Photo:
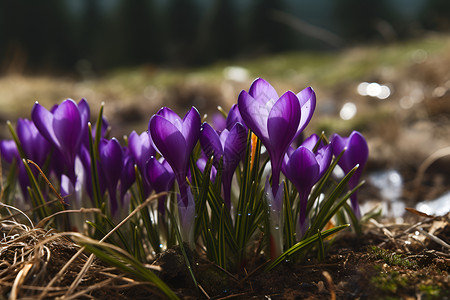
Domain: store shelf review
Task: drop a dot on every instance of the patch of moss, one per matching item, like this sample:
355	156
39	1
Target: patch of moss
392	258
433	291
389	281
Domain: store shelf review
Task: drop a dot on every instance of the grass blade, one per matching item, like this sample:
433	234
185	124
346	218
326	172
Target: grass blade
122	260
302	245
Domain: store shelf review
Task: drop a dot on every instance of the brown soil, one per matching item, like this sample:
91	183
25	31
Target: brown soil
387	262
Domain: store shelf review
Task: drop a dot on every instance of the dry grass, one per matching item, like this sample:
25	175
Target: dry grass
41	264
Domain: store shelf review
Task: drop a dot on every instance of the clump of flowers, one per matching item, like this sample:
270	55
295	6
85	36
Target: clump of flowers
250	182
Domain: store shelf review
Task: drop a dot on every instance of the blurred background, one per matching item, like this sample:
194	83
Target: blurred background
380	67
72	35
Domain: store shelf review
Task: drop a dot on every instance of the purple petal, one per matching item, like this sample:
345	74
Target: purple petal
338	144
128	175
111	158
358	148
67	127
261	89
288	154
235	144
85	111
311	141
35	146
43	119
191	128
141	148
303	170
357	154
210	142
158	176
26	136
171	116
255	113
9	150
323	157
219	122
234	117
282	124
170	143
307	99
85	159
66	188
234	147
201	164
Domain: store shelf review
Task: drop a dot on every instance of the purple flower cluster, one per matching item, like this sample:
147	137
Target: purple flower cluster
162	154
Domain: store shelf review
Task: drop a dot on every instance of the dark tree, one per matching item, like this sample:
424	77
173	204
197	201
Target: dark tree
139	31
218	33
182	21
37	29
265	34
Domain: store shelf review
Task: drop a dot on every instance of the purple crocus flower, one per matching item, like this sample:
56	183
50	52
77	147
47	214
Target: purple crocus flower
111	162
161	178
34	146
228	145
356	153
141	148
275	120
304	168
175	139
63	127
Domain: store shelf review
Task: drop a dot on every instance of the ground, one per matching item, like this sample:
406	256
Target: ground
387	262
396	258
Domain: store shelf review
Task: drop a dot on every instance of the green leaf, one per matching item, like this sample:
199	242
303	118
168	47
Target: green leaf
318	189
93	148
122	260
16	140
152	229
200	203
289	220
321	248
327	210
355	222
302	245
43	210
221	240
